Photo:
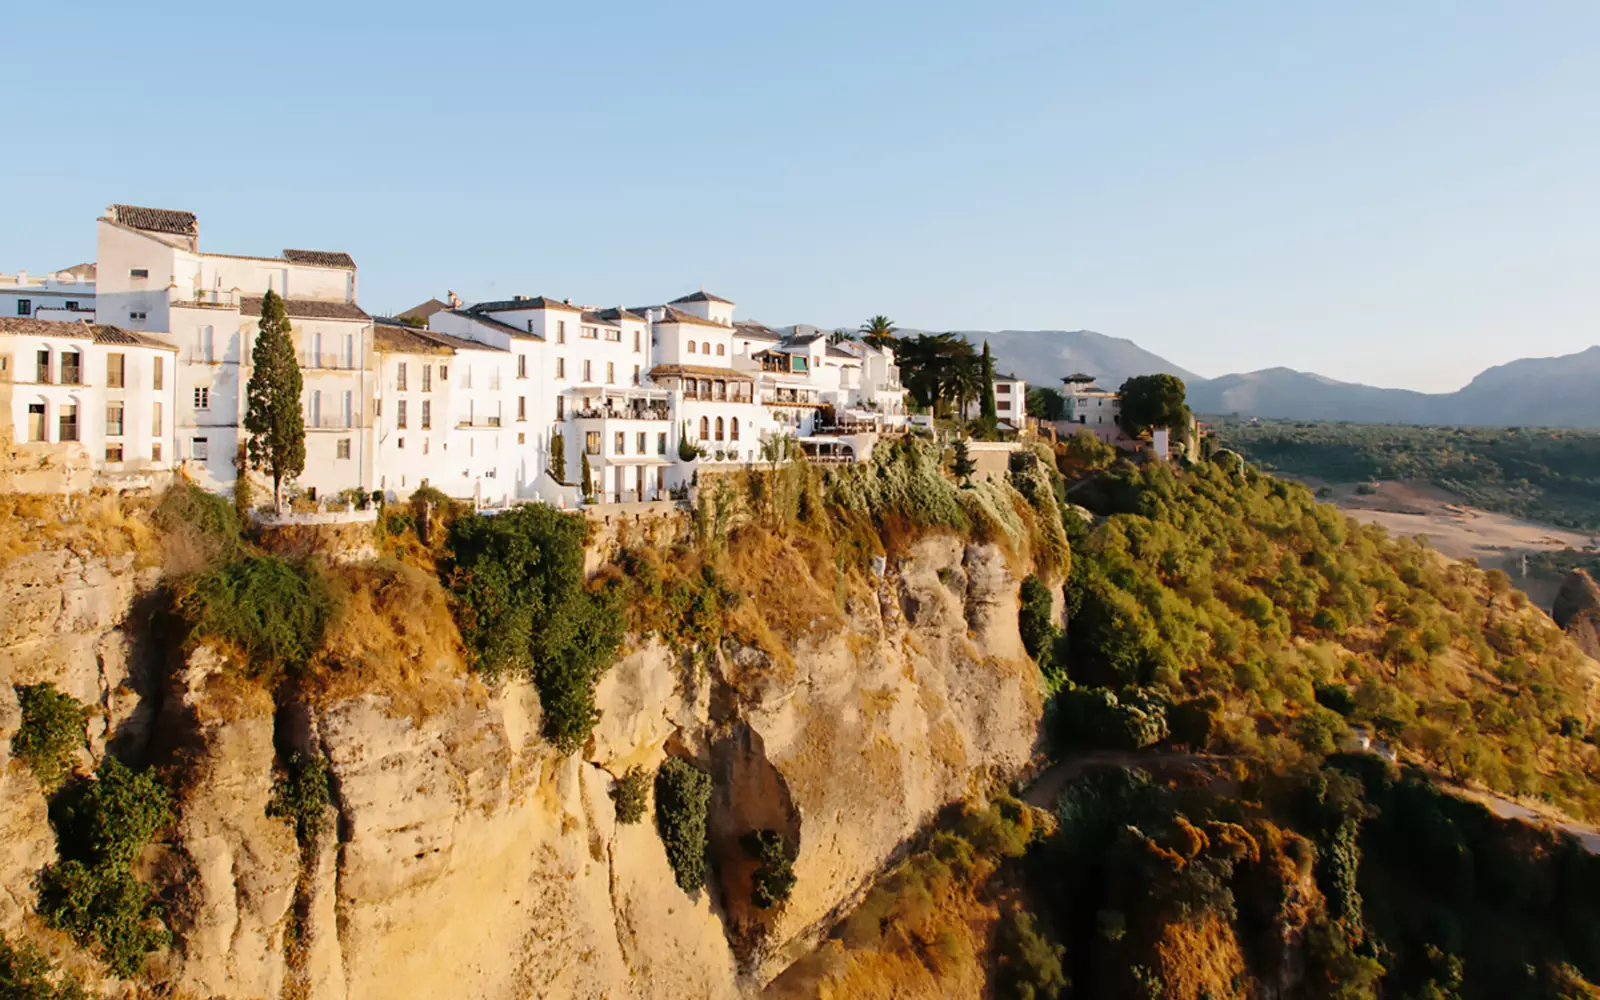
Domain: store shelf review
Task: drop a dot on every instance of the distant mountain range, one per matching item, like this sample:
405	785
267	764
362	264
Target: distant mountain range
1531	392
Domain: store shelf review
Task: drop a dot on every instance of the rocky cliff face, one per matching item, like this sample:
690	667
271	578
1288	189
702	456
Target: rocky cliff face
1577	611
468	859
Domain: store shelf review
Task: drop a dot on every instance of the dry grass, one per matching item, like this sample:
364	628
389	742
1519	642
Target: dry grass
392	635
101	524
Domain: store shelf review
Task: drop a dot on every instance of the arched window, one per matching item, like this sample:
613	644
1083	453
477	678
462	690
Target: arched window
733	429
705	347
719	428
721	350
705	428
691	347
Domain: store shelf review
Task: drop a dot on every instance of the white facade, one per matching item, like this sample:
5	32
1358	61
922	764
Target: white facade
108	390
61	295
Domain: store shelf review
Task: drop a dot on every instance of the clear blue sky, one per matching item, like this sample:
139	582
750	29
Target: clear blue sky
1395	193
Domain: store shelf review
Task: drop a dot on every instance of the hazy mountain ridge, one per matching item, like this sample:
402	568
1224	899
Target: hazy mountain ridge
1547	392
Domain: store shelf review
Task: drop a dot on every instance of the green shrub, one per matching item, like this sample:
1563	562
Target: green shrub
1028	963
273	611
1100	718
522	607
631	794
25	974
773	880
185	507
302	795
1195	721
102	825
1036	623
683	794
51	730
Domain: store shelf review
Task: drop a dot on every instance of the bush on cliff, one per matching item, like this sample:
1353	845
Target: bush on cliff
271	610
25	974
631	794
683	794
301	795
523	608
102	826
1036	623
51	731
773	879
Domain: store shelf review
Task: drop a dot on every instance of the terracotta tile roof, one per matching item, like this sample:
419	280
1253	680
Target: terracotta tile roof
319	258
395	338
425	309
531	302
702	296
698	370
156	220
100	333
597	319
756	331
617	314
494	324
834	352
675	315
79	271
250	305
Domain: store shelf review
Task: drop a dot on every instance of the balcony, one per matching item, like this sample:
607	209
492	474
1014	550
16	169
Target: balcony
478	422
791	397
729	395
332	422
328	362
628	410
203	299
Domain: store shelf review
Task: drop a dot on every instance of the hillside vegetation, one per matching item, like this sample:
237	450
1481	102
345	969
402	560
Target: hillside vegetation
1544	474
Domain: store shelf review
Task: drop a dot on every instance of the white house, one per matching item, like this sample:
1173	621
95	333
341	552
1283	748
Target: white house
1087	407
107	390
59	295
152	275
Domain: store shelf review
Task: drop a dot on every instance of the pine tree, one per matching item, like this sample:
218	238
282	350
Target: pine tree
987	409
964	466
274	419
558	457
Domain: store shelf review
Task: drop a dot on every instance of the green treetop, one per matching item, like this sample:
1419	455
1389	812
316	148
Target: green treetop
1151	401
274	419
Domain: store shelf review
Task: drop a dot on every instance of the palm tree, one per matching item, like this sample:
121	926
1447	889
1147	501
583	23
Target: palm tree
840	336
963	379
878	331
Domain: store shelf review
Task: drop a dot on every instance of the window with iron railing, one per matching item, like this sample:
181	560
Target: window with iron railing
113	420
71	368
68	423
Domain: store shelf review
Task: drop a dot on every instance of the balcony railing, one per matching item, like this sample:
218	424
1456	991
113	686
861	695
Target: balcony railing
202	297
713	396
790	397
333	422
479	422
338	362
635	411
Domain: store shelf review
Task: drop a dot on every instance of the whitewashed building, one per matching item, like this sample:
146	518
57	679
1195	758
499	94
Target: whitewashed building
60	295
152	276
108	390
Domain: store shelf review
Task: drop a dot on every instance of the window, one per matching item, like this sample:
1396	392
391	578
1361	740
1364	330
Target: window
400	378
341	448
705	347
400	414
722	349
202	398
1003	388
733	429
444	373
643	447
622	442
68	423
691	347
635	374
661	443
561	367
159	378
116	367
36	422
561	331
24	307
71	368
139	272
114	452
522	365
561	407
611	372
588	371
615	336
427	378
114	420
589	332
637	340
591	442
705	428
199	449
155	451
427	413
424	446
719	428
136	315
522	407
155	419
44	368
72	305
522	438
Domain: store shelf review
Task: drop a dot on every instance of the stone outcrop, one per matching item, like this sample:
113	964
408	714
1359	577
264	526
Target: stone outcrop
1577	611
468	859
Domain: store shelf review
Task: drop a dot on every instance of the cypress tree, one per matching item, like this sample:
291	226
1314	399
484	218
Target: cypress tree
588	477
988	410
274	419
558	457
